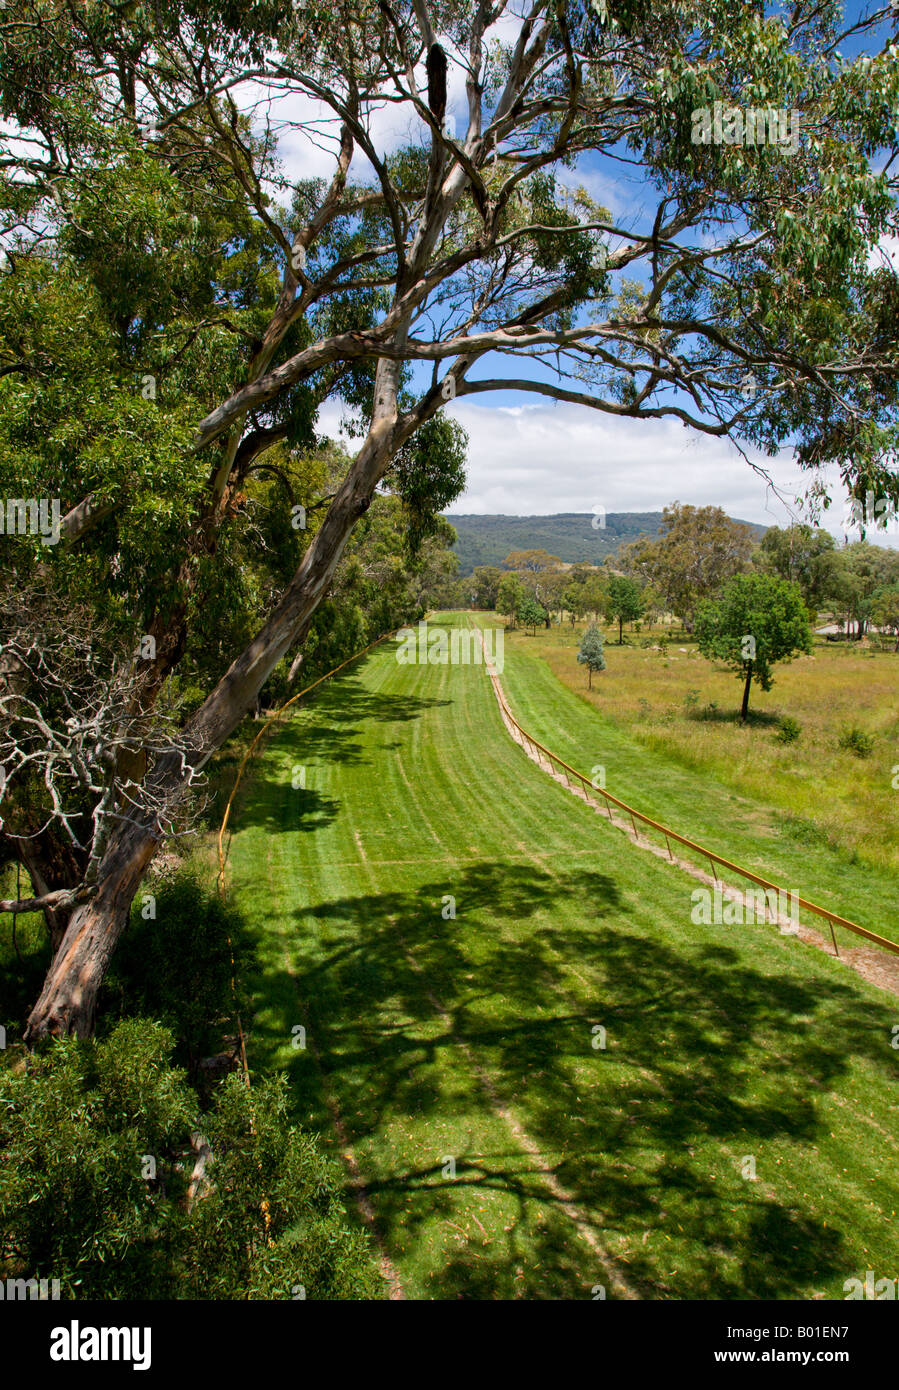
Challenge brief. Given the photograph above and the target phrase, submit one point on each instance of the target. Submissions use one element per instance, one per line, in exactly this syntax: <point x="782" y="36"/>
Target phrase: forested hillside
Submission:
<point x="487" y="540"/>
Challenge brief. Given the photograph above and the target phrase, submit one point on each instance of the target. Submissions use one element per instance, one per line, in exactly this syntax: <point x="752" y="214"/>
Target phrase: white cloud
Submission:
<point x="885" y="254"/>
<point x="539" y="459"/>
<point x="535" y="460"/>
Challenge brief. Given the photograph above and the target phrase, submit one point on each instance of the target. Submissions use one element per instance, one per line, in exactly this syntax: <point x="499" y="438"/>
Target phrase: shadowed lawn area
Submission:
<point x="504" y="1153"/>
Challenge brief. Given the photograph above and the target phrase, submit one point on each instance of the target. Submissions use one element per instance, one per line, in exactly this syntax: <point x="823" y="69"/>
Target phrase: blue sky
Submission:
<point x="529" y="456"/>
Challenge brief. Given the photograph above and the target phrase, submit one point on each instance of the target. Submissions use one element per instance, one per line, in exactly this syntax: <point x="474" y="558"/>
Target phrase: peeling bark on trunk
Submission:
<point x="68" y="1000"/>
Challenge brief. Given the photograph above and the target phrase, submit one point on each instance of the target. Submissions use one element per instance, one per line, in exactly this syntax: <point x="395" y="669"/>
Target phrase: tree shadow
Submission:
<point x="326" y="733"/>
<point x="762" y="719"/>
<point x="402" y="1004"/>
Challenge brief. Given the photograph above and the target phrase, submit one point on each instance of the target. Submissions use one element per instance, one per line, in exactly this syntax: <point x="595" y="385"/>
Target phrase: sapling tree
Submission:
<point x="530" y="613"/>
<point x="624" y="602"/>
<point x="591" y="654"/>
<point x="757" y="620"/>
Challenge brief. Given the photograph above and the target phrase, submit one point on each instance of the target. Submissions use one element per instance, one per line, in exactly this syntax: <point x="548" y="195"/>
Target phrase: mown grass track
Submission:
<point x="471" y="1039"/>
<point x="696" y="803"/>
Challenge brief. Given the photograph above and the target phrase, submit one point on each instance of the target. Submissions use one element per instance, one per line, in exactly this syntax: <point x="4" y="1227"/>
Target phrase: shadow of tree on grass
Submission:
<point x="708" y="1058"/>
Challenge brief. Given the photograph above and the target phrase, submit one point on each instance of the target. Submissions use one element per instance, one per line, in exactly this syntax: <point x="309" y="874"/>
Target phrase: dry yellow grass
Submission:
<point x="682" y="704"/>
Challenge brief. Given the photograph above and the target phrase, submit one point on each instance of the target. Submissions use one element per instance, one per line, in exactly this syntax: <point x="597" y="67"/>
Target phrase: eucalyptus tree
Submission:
<point x="155" y="228"/>
<point x="757" y="620"/>
<point x="697" y="550"/>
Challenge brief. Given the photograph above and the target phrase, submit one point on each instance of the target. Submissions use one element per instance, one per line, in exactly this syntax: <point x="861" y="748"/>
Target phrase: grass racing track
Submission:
<point x="503" y="1154"/>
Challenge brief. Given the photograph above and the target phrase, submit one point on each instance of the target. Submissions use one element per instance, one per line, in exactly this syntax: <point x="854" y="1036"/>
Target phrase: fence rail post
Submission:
<point x="552" y="760"/>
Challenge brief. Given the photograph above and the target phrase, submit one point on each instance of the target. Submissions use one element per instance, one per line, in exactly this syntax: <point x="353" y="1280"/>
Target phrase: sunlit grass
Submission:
<point x="686" y="707"/>
<point x="722" y="1043"/>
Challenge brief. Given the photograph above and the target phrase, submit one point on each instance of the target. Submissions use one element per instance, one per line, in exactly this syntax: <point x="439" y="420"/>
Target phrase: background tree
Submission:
<point x="530" y="613"/>
<point x="531" y="561"/>
<point x="698" y="549"/>
<point x="573" y="601"/>
<point x="590" y="652"/>
<point x="860" y="570"/>
<point x="885" y="611"/>
<point x="653" y="603"/>
<point x="624" y="602"/>
<point x="510" y="595"/>
<point x="539" y="573"/>
<point x="548" y="592"/>
<point x="803" y="554"/>
<point x="594" y="596"/>
<point x="487" y="579"/>
<point x="757" y="621"/>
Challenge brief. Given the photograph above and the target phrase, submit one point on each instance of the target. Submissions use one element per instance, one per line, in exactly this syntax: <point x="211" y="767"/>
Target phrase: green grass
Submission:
<point x="685" y="708"/>
<point x="472" y="1038"/>
<point x="707" y="779"/>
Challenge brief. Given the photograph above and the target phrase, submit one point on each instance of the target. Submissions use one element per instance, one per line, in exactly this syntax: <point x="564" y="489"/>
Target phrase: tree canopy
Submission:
<point x="698" y="549"/>
<point x="757" y="621"/>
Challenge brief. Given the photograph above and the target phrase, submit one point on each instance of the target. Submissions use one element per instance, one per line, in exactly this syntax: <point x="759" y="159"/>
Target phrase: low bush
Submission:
<point x="855" y="740"/>
<point x="176" y="965"/>
<point x="98" y="1147"/>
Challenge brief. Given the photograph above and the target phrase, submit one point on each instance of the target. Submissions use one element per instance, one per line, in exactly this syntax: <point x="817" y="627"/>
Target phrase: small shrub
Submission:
<point x="788" y="730"/>
<point x="177" y="966"/>
<point x="804" y="832"/>
<point x="854" y="740"/>
<point x="96" y="1143"/>
<point x="691" y="699"/>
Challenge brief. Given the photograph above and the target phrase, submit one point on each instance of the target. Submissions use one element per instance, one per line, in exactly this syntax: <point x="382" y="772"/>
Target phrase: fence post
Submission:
<point x="529" y="746"/>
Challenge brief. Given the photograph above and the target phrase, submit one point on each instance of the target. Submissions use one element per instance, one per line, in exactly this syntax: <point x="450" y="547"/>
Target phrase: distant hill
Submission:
<point x="487" y="540"/>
